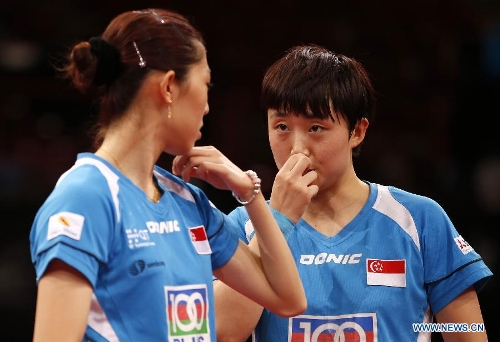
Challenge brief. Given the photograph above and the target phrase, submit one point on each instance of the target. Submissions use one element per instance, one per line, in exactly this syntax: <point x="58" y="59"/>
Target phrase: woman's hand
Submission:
<point x="293" y="187"/>
<point x="210" y="165"/>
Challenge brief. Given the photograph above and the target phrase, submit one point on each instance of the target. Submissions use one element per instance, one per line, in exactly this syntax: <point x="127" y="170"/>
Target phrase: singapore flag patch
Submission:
<point x="200" y="240"/>
<point x="463" y="245"/>
<point x="386" y="272"/>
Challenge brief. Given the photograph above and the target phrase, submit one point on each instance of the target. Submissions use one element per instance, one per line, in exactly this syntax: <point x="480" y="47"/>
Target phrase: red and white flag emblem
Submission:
<point x="200" y="240"/>
<point x="386" y="272"/>
<point x="463" y="245"/>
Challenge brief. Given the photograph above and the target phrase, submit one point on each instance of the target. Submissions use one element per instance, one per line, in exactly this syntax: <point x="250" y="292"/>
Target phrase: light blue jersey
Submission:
<point x="396" y="263"/>
<point x="150" y="264"/>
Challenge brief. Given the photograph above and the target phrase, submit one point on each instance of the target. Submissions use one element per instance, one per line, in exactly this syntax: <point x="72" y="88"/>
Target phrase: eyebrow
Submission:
<point x="278" y="114"/>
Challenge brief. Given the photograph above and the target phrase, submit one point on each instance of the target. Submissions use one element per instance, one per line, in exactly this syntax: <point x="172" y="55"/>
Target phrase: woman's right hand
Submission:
<point x="210" y="165"/>
<point x="293" y="187"/>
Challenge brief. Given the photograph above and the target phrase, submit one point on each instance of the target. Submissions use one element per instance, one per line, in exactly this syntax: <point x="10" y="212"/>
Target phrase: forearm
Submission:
<point x="235" y="315"/>
<point x="276" y="259"/>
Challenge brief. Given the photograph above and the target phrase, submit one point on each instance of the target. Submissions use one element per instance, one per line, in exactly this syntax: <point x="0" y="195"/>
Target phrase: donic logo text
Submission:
<point x="322" y="258"/>
<point x="163" y="227"/>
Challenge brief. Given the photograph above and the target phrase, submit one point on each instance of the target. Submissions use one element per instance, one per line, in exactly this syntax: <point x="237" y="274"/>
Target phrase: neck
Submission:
<point x="338" y="205"/>
<point x="134" y="158"/>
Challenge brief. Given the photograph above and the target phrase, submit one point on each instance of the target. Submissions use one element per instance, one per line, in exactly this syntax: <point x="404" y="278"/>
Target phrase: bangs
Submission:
<point x="303" y="83"/>
<point x="298" y="102"/>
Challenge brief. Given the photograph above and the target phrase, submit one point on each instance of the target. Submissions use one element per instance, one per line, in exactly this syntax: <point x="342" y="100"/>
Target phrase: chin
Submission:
<point x="178" y="150"/>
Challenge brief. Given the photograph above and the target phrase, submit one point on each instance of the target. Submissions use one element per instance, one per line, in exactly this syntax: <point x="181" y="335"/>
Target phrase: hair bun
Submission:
<point x="109" y="63"/>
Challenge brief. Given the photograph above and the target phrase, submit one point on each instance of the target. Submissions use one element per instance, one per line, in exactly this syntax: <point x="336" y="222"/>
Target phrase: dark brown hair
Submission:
<point x="165" y="40"/>
<point x="309" y="79"/>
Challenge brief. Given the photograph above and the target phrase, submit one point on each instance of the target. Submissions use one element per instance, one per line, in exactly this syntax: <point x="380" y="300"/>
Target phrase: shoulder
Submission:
<point x="417" y="215"/>
<point x="393" y="199"/>
<point x="87" y="177"/>
<point x="83" y="193"/>
<point x="240" y="213"/>
<point x="89" y="187"/>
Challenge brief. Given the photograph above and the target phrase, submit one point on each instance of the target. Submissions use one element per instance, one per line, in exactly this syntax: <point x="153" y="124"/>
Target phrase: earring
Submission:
<point x="169" y="113"/>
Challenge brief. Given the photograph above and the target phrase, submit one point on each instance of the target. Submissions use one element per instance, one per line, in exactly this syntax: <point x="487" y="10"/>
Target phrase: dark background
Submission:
<point x="435" y="65"/>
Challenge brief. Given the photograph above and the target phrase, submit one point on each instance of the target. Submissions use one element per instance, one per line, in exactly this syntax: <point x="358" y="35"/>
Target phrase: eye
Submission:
<point x="281" y="127"/>
<point x="316" y="129"/>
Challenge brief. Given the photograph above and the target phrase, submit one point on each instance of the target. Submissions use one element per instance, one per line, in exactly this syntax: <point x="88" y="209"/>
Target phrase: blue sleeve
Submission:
<point x="83" y="262"/>
<point x="239" y="223"/>
<point x="450" y="264"/>
<point x="286" y="225"/>
<point x="442" y="292"/>
<point x="224" y="242"/>
<point x="220" y="233"/>
<point x="244" y="227"/>
<point x="75" y="224"/>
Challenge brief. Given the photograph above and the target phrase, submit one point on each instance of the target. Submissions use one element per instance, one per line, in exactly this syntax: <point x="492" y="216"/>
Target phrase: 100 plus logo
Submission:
<point x="187" y="313"/>
<point x="344" y="328"/>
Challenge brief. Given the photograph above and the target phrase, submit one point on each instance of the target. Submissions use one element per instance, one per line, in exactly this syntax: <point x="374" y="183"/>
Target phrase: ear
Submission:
<point x="359" y="132"/>
<point x="168" y="86"/>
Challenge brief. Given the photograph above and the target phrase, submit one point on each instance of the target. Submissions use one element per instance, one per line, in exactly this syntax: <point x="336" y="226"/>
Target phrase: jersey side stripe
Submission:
<point x="425" y="336"/>
<point x="99" y="322"/>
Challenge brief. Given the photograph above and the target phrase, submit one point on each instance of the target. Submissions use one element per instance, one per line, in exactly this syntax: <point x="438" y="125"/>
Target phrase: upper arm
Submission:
<point x="463" y="309"/>
<point x="63" y="304"/>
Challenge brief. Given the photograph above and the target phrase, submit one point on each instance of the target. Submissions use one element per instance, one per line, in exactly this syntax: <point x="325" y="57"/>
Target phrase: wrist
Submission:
<point x="255" y="191"/>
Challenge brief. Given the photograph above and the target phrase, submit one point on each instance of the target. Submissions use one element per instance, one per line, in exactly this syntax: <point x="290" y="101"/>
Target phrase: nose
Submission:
<point x="206" y="109"/>
<point x="299" y="145"/>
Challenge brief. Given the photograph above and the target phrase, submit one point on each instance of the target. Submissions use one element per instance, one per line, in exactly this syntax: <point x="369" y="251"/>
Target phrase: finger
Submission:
<point x="292" y="161"/>
<point x="203" y="151"/>
<point x="313" y="190"/>
<point x="188" y="170"/>
<point x="212" y="173"/>
<point x="197" y="151"/>
<point x="300" y="164"/>
<point x="183" y="165"/>
<point x="310" y="177"/>
<point x="179" y="163"/>
<point x="177" y="166"/>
